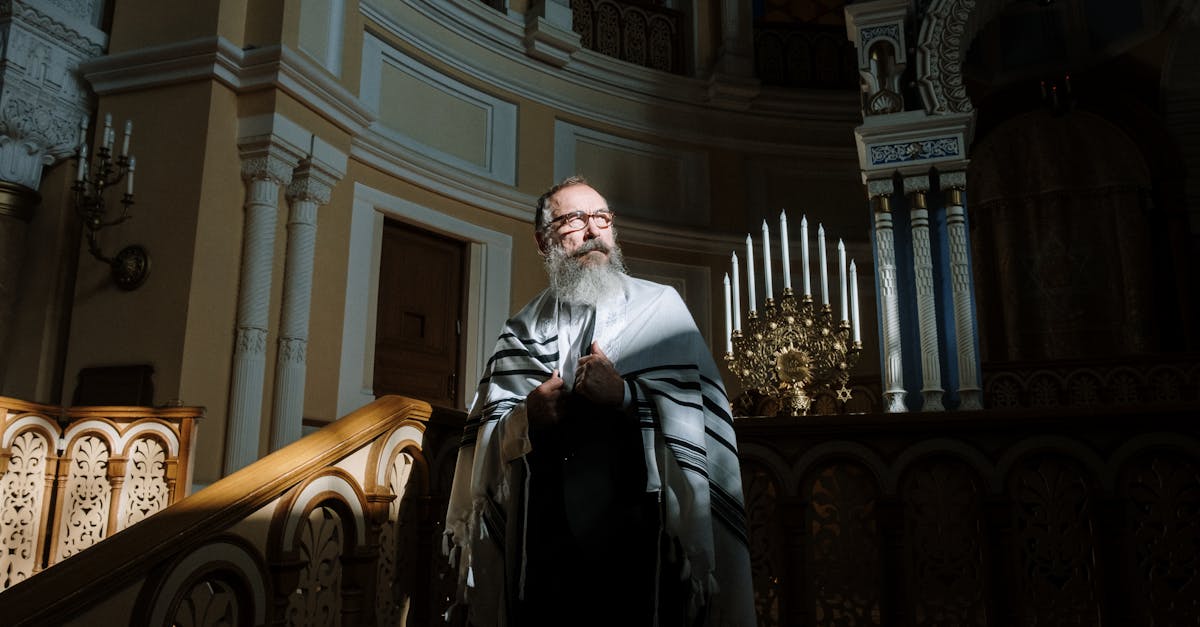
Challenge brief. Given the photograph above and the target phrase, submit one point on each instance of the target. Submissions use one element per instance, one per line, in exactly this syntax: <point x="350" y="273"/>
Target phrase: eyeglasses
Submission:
<point x="578" y="220"/>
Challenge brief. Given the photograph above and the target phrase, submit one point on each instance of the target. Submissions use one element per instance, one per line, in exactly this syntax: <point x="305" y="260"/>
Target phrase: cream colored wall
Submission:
<point x="190" y="194"/>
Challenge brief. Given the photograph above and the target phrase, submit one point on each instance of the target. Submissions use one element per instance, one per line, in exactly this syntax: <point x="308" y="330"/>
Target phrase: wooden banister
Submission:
<point x="122" y="578"/>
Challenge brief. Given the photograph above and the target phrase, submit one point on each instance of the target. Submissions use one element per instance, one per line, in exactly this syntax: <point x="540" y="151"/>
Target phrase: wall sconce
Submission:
<point x="131" y="265"/>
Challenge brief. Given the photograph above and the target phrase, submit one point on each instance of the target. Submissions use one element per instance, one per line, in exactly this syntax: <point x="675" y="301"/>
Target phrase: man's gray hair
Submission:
<point x="541" y="219"/>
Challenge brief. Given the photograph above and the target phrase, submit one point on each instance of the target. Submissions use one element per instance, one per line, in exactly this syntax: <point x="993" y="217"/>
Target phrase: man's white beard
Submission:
<point x="579" y="283"/>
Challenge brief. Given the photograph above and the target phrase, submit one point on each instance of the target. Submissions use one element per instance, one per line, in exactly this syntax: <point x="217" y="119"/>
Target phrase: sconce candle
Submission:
<point x="83" y="124"/>
<point x="107" y="139"/>
<point x="129" y="176"/>
<point x="125" y="143"/>
<point x="81" y="171"/>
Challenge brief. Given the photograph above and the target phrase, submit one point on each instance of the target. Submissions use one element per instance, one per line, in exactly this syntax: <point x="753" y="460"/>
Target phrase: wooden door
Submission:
<point x="418" y="348"/>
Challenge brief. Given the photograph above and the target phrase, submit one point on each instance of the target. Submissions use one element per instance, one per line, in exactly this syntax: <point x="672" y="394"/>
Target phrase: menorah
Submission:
<point x="794" y="349"/>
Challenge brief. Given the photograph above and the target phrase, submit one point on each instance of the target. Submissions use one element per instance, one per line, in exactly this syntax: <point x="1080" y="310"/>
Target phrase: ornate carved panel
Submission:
<point x="87" y="497"/>
<point x="317" y="599"/>
<point x="944" y="541"/>
<point x="23" y="490"/>
<point x="1163" y="491"/>
<point x="396" y="565"/>
<point x="1055" y="543"/>
<point x="644" y="35"/>
<point x="209" y="603"/>
<point x="146" y="490"/>
<point x="767" y="541"/>
<point x="844" y="567"/>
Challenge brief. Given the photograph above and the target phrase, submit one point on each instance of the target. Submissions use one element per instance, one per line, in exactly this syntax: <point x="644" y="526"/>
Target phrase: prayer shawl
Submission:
<point x="687" y="433"/>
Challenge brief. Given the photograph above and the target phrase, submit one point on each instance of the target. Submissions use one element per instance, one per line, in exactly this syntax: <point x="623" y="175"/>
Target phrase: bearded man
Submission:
<point x="597" y="480"/>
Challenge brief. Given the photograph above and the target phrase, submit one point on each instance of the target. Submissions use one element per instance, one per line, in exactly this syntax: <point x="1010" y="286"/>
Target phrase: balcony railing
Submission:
<point x="72" y="477"/>
<point x="639" y="33"/>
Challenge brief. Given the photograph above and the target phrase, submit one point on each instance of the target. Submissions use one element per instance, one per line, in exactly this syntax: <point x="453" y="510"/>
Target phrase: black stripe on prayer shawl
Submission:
<point x="716" y="386"/>
<point x="721" y="440"/>
<point x="525" y="341"/>
<point x="688" y="455"/>
<point x="521" y="352"/>
<point x="675" y="400"/>
<point x="487" y="413"/>
<point x="718" y="409"/>
<point x="679" y="383"/>
<point x="662" y="367"/>
<point x="506" y="373"/>
<point x="729" y="511"/>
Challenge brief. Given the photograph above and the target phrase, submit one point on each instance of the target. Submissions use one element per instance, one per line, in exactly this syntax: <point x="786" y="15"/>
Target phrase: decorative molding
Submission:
<point x="690" y="168"/>
<point x="946" y="32"/>
<point x="681" y="101"/>
<point x="912" y="141"/>
<point x="500" y="132"/>
<point x="937" y="149"/>
<point x="244" y="71"/>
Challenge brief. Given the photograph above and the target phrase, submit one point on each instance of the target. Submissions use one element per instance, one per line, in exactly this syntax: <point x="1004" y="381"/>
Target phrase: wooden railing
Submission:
<point x="1050" y="517"/>
<point x="638" y="32"/>
<point x="320" y="532"/>
<point x="72" y="477"/>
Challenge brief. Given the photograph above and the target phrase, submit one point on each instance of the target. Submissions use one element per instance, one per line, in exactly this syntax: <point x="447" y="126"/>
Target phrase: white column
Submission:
<point x="970" y="393"/>
<point x="263" y="173"/>
<point x="889" y="298"/>
<point x="308" y="190"/>
<point x="916" y="187"/>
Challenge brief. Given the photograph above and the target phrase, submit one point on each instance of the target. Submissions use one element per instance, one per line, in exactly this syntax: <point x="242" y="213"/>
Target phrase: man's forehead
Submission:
<point x="577" y="198"/>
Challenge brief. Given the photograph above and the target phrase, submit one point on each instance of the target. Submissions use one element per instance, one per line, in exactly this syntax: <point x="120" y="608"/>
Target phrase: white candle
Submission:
<point x="750" y="305"/>
<point x="770" y="293"/>
<point x="783" y="245"/>
<point x="804" y="254"/>
<point x="842" y="280"/>
<point x="129" y="176"/>
<point x="125" y="142"/>
<point x="108" y="132"/>
<point x="728" y="318"/>
<point x="83" y="124"/>
<point x="823" y="266"/>
<point x="854" y="337"/>
<point x="82" y="169"/>
<point x="737" y="295"/>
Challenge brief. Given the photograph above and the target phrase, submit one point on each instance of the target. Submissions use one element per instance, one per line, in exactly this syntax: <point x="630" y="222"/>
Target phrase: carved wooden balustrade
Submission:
<point x="638" y="32"/>
<point x="327" y="530"/>
<point x="1051" y="517"/>
<point x="72" y="477"/>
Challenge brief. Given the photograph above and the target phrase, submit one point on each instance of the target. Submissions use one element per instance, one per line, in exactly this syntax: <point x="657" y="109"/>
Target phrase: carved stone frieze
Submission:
<point x="941" y="47"/>
<point x="41" y="99"/>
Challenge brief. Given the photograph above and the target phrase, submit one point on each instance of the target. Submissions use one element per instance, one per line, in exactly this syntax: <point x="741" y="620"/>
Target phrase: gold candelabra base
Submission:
<point x="793" y="351"/>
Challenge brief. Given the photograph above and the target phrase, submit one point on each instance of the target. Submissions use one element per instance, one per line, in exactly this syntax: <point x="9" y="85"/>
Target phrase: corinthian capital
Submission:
<point x="265" y="166"/>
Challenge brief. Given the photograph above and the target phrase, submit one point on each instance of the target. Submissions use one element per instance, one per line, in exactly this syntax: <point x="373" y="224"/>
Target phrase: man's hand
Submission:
<point x="546" y="403"/>
<point x="597" y="380"/>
